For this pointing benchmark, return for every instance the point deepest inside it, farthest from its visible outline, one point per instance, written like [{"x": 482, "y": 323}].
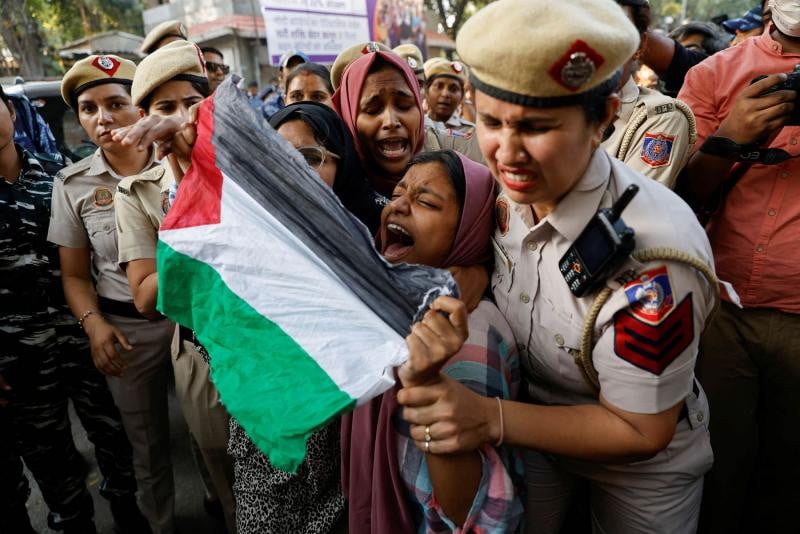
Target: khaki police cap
[
  {"x": 181, "y": 60},
  {"x": 95, "y": 70},
  {"x": 411, "y": 54},
  {"x": 168, "y": 28},
  {"x": 559, "y": 49},
  {"x": 444, "y": 67},
  {"x": 348, "y": 55}
]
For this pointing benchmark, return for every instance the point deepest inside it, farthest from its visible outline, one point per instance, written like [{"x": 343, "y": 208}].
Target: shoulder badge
[
  {"x": 103, "y": 197},
  {"x": 657, "y": 149},
  {"x": 652, "y": 332},
  {"x": 501, "y": 215}
]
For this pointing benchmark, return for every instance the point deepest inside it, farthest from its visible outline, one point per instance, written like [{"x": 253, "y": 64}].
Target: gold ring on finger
[
  {"x": 427, "y": 446},
  {"x": 428, "y": 438}
]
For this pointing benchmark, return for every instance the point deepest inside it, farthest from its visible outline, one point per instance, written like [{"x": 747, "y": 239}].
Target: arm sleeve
[
  {"x": 137, "y": 238},
  {"x": 646, "y": 353},
  {"x": 66, "y": 227},
  {"x": 682, "y": 61},
  {"x": 487, "y": 364},
  {"x": 698, "y": 93}
]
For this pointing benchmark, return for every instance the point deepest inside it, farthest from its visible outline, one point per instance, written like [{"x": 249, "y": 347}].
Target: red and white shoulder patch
[
  {"x": 657, "y": 149},
  {"x": 653, "y": 331}
]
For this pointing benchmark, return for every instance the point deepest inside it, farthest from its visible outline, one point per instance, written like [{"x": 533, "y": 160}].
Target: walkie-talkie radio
[{"x": 600, "y": 248}]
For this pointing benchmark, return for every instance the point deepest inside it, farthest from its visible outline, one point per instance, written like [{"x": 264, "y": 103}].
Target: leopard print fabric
[{"x": 269, "y": 500}]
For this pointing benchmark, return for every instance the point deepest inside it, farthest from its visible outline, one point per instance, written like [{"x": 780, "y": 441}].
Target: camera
[{"x": 792, "y": 83}]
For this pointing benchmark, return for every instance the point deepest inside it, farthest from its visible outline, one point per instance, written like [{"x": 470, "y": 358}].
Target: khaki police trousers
[
  {"x": 141, "y": 396},
  {"x": 749, "y": 364},
  {"x": 208, "y": 422},
  {"x": 657, "y": 496}
]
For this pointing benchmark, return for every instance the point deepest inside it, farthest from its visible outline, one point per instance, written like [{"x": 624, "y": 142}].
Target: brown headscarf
[{"x": 346, "y": 103}]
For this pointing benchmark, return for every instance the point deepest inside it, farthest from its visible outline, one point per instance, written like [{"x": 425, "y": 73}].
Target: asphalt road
[{"x": 191, "y": 517}]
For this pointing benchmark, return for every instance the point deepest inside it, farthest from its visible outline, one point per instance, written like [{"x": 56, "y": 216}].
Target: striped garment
[
  {"x": 300, "y": 315},
  {"x": 487, "y": 364}
]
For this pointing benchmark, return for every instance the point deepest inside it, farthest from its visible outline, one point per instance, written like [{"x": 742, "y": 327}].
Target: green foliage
[
  {"x": 702, "y": 10},
  {"x": 68, "y": 20}
]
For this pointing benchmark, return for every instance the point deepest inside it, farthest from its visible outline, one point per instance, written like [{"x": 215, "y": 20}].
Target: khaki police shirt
[
  {"x": 456, "y": 124},
  {"x": 437, "y": 138},
  {"x": 646, "y": 335},
  {"x": 82, "y": 216},
  {"x": 142, "y": 202},
  {"x": 659, "y": 148}
]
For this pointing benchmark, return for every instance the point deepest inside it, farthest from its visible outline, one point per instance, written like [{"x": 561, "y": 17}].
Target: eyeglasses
[
  {"x": 315, "y": 155},
  {"x": 213, "y": 67}
]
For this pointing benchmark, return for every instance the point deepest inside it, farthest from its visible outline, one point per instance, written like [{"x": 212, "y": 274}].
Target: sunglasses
[
  {"x": 315, "y": 155},
  {"x": 213, "y": 67}
]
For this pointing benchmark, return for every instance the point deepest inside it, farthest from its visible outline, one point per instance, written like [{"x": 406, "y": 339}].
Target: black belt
[{"x": 122, "y": 309}]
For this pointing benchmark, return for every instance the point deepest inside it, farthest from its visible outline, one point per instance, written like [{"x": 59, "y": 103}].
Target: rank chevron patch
[{"x": 653, "y": 347}]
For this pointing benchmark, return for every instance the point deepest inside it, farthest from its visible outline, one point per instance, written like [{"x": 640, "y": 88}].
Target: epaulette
[
  {"x": 150, "y": 175},
  {"x": 74, "y": 169}
]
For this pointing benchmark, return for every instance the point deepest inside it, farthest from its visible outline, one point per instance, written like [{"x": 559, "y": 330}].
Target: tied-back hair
[{"x": 321, "y": 71}]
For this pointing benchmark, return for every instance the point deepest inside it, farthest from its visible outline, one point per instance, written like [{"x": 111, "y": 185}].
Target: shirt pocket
[
  {"x": 102, "y": 230},
  {"x": 502, "y": 277},
  {"x": 560, "y": 337}
]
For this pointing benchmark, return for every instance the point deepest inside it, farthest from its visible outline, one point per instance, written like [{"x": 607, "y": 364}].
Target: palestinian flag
[{"x": 300, "y": 315}]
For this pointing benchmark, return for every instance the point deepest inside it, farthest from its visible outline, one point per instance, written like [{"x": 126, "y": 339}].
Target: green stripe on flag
[{"x": 274, "y": 388}]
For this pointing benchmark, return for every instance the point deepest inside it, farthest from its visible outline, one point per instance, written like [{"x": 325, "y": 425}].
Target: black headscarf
[{"x": 350, "y": 184}]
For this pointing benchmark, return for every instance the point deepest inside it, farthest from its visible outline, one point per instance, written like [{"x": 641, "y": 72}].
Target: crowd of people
[{"x": 623, "y": 357}]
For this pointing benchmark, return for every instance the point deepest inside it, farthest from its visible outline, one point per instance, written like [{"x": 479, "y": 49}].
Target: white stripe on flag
[{"x": 283, "y": 280}]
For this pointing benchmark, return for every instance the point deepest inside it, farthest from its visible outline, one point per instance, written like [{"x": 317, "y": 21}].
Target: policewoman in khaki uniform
[
  {"x": 130, "y": 349},
  {"x": 653, "y": 133},
  {"x": 167, "y": 83},
  {"x": 444, "y": 94},
  {"x": 630, "y": 419}
]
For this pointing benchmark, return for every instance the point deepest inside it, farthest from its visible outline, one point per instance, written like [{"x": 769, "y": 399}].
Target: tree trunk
[{"x": 21, "y": 35}]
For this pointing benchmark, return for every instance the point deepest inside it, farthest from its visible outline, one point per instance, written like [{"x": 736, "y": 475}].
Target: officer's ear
[
  {"x": 613, "y": 104},
  {"x": 141, "y": 113}
]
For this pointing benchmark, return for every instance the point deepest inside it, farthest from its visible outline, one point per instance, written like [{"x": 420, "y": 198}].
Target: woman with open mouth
[
  {"x": 378, "y": 98},
  {"x": 441, "y": 213}
]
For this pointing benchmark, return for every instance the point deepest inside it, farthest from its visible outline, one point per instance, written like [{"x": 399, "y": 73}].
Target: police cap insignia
[
  {"x": 456, "y": 66},
  {"x": 370, "y": 48},
  {"x": 412, "y": 62},
  {"x": 576, "y": 66},
  {"x": 657, "y": 149},
  {"x": 103, "y": 197},
  {"x": 107, "y": 64}
]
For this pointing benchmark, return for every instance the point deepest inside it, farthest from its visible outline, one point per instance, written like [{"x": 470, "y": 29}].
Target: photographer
[{"x": 749, "y": 362}]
